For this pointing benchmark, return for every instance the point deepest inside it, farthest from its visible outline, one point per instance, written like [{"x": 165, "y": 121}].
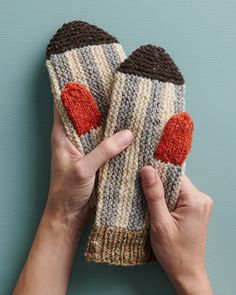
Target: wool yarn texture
[
  {"x": 81, "y": 61},
  {"x": 148, "y": 99}
]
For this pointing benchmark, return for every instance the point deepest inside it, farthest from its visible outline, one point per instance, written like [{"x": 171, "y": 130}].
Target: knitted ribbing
[{"x": 148, "y": 90}]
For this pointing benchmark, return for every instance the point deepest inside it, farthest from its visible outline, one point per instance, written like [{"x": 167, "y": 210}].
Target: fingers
[
  {"x": 107, "y": 149},
  {"x": 192, "y": 197},
  {"x": 154, "y": 193},
  {"x": 187, "y": 186}
]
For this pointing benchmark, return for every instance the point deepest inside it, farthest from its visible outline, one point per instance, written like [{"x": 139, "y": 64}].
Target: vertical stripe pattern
[
  {"x": 122, "y": 98},
  {"x": 148, "y": 90},
  {"x": 150, "y": 130},
  {"x": 143, "y": 106},
  {"x": 171, "y": 176},
  {"x": 133, "y": 152},
  {"x": 92, "y": 67}
]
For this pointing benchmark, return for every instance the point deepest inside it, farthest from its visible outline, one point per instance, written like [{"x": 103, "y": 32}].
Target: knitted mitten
[
  {"x": 81, "y": 60},
  {"x": 148, "y": 99}
]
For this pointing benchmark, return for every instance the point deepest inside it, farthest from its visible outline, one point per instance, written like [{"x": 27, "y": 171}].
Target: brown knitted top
[
  {"x": 154, "y": 63},
  {"x": 77, "y": 34}
]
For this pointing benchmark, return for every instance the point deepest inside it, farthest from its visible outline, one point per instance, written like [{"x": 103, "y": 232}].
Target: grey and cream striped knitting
[
  {"x": 81, "y": 61},
  {"x": 148, "y": 99}
]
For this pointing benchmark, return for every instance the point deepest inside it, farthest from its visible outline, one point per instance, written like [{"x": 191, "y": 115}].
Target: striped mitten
[
  {"x": 81, "y": 60},
  {"x": 148, "y": 99}
]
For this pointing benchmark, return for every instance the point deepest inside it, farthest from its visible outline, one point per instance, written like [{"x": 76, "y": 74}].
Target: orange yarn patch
[
  {"x": 176, "y": 139},
  {"x": 81, "y": 107}
]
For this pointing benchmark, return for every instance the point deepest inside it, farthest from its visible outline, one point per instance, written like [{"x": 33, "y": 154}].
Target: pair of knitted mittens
[{"x": 98, "y": 93}]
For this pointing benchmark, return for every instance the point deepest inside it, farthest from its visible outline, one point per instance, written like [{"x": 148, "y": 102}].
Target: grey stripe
[
  {"x": 93, "y": 78},
  {"x": 88, "y": 142},
  {"x": 179, "y": 102},
  {"x": 171, "y": 184},
  {"x": 91, "y": 70},
  {"x": 115, "y": 172},
  {"x": 112, "y": 57},
  {"x": 62, "y": 69},
  {"x": 146, "y": 149}
]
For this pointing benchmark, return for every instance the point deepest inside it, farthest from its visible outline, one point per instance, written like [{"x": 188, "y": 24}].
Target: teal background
[{"x": 201, "y": 37}]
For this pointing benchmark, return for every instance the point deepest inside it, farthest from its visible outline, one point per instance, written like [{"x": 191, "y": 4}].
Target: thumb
[
  {"x": 154, "y": 193},
  {"x": 106, "y": 150}
]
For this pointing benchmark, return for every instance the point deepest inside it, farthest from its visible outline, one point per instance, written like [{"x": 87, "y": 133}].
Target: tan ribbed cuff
[{"x": 119, "y": 246}]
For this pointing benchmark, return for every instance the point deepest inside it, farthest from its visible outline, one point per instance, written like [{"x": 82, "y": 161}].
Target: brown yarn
[
  {"x": 77, "y": 34},
  {"x": 154, "y": 63},
  {"x": 119, "y": 246}
]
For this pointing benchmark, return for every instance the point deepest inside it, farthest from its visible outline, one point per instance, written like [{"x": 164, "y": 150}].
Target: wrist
[
  {"x": 47, "y": 269},
  {"x": 66, "y": 233},
  {"x": 194, "y": 283},
  {"x": 62, "y": 223},
  {"x": 70, "y": 217}
]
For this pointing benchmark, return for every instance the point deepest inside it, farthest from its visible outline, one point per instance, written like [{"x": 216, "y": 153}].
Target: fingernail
[
  {"x": 148, "y": 176},
  {"x": 125, "y": 136}
]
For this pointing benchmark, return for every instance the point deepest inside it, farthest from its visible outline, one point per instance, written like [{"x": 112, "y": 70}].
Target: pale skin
[{"x": 178, "y": 238}]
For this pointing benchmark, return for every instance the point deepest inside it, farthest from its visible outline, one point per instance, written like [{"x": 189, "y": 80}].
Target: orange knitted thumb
[
  {"x": 81, "y": 107},
  {"x": 176, "y": 139}
]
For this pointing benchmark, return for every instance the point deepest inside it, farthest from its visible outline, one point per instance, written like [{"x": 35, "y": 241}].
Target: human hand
[
  {"x": 73, "y": 174},
  {"x": 178, "y": 238},
  {"x": 48, "y": 266}
]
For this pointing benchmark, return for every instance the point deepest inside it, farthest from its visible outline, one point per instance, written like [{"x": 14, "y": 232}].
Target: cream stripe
[
  {"x": 116, "y": 97},
  {"x": 162, "y": 169},
  {"x": 103, "y": 67},
  {"x": 120, "y": 52},
  {"x": 53, "y": 78},
  {"x": 110, "y": 127},
  {"x": 76, "y": 67},
  {"x": 57, "y": 99},
  {"x": 71, "y": 63},
  {"x": 167, "y": 107},
  {"x": 132, "y": 153}
]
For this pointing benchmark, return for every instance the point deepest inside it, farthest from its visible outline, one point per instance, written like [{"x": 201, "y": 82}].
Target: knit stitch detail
[
  {"x": 81, "y": 107},
  {"x": 82, "y": 53},
  {"x": 154, "y": 63},
  {"x": 148, "y": 90},
  {"x": 176, "y": 140},
  {"x": 119, "y": 246},
  {"x": 92, "y": 64},
  {"x": 77, "y": 34}
]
